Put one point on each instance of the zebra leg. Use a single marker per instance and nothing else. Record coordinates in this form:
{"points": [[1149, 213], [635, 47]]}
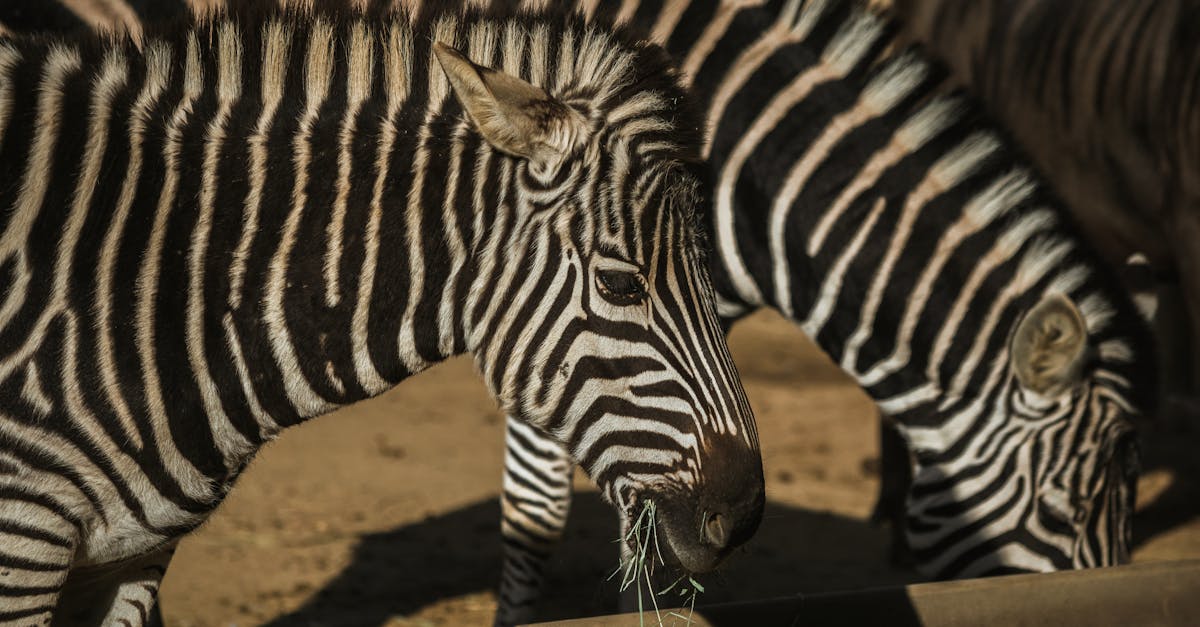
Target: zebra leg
{"points": [[534, 505], [895, 479], [37, 544], [1185, 235], [1164, 306], [126, 595]]}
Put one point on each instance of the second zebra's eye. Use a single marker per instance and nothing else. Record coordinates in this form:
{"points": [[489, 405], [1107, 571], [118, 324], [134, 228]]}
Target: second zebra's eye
{"points": [[621, 287]]}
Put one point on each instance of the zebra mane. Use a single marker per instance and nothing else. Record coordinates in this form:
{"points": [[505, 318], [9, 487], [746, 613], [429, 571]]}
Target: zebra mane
{"points": [[621, 83], [606, 66]]}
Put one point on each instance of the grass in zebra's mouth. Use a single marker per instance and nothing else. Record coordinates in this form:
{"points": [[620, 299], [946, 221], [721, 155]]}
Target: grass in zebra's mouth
{"points": [[637, 570]]}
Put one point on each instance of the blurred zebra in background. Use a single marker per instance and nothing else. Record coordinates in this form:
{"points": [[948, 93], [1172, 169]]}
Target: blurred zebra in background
{"points": [[183, 280], [31, 16], [983, 326], [1104, 95]]}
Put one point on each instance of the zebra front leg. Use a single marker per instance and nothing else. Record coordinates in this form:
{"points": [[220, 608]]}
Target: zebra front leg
{"points": [[125, 595], [534, 505], [895, 479], [1185, 233], [37, 544]]}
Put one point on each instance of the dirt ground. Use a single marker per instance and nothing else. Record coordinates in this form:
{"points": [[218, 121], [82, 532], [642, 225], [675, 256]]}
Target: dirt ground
{"points": [[385, 513]]}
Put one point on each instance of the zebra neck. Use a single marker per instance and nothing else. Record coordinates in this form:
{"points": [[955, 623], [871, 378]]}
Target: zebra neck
{"points": [[256, 248], [370, 187], [864, 200]]}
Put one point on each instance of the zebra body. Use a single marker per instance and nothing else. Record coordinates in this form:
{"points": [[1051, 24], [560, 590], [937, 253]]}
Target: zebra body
{"points": [[827, 137], [252, 220]]}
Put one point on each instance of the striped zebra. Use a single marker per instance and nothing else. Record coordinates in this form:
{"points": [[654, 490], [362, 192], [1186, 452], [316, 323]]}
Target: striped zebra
{"points": [[254, 219], [983, 326], [1103, 95], [863, 198]]}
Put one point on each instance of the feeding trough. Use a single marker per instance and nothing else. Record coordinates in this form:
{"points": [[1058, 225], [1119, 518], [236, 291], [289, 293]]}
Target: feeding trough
{"points": [[1143, 595]]}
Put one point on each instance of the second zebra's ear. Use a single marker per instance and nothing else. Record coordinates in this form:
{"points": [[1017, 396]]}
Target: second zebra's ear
{"points": [[512, 115], [1049, 348]]}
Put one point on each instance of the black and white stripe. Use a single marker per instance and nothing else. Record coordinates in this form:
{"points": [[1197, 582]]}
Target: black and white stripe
{"points": [[223, 229]]}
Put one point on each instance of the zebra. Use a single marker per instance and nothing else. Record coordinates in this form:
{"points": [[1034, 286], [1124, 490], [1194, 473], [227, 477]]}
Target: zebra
{"points": [[1102, 95], [985, 328], [182, 279], [990, 335]]}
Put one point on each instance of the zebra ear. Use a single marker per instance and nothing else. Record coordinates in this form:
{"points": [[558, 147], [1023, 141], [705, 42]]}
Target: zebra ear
{"points": [[1049, 348], [512, 115]]}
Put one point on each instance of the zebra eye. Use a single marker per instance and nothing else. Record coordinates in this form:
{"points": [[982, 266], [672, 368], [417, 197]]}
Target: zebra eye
{"points": [[621, 287]]}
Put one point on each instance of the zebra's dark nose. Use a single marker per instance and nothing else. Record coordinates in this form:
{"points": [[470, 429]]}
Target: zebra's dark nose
{"points": [[716, 530], [730, 522], [703, 527]]}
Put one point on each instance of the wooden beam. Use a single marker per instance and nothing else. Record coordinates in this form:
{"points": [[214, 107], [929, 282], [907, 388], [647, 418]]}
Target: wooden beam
{"points": [[1152, 594]]}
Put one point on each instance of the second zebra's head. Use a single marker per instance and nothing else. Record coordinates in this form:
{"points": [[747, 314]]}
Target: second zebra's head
{"points": [[1042, 471], [591, 314], [1086, 499]]}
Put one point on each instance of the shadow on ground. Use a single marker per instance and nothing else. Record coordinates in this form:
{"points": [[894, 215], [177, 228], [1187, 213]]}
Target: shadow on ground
{"points": [[1170, 444], [398, 572], [796, 551]]}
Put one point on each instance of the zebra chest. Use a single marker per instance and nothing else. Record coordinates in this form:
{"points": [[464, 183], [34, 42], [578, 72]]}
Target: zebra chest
{"points": [[141, 517], [130, 491], [118, 540]]}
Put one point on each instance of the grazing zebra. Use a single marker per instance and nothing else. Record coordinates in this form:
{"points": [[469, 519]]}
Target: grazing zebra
{"points": [[862, 198], [254, 219], [1103, 95], [981, 324]]}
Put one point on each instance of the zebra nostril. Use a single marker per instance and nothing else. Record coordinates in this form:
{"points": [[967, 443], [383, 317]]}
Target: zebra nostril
{"points": [[716, 531]]}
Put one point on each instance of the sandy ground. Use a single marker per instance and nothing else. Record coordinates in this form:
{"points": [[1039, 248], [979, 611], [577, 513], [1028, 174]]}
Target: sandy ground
{"points": [[385, 513]]}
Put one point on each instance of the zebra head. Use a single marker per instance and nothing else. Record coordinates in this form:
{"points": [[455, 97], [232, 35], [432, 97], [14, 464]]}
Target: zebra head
{"points": [[1048, 481], [1085, 501], [593, 316]]}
